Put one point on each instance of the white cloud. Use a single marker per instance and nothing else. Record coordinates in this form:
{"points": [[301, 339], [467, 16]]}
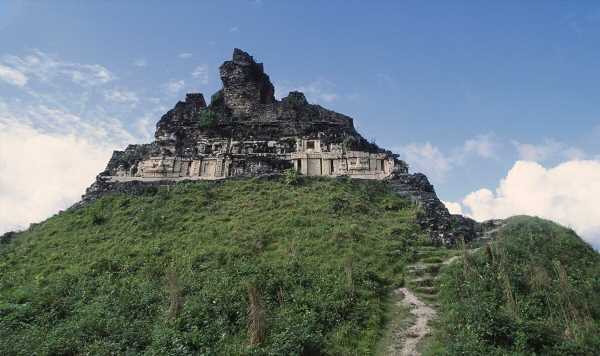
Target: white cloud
{"points": [[175, 86], [90, 74], [146, 124], [482, 145], [549, 149], [453, 208], [201, 73], [234, 29], [48, 156], [427, 159], [47, 68], [568, 193], [43, 173], [12, 76], [140, 62], [121, 96], [184, 55], [63, 122]]}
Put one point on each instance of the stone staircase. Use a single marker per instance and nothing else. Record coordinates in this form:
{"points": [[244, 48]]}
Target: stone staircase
{"points": [[421, 276]]}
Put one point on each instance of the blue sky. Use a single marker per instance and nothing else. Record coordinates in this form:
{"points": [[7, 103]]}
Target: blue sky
{"points": [[462, 90]]}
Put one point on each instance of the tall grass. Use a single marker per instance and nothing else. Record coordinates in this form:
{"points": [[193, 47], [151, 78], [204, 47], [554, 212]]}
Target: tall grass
{"points": [[533, 291], [256, 317], [167, 272]]}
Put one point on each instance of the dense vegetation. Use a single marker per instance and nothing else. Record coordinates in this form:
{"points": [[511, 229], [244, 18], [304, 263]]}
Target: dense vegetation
{"points": [[277, 267], [534, 291], [207, 119]]}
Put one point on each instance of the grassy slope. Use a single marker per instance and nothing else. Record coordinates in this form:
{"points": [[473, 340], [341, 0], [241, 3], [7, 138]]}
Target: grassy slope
{"points": [[534, 291], [170, 272]]}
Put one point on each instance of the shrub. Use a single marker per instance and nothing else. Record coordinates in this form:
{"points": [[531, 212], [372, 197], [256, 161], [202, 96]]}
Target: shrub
{"points": [[533, 291], [208, 119], [291, 177]]}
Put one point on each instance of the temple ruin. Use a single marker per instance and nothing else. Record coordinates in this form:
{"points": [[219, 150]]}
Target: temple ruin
{"points": [[245, 131]]}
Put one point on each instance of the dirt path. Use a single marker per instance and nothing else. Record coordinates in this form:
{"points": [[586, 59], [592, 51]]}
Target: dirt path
{"points": [[406, 341], [419, 297]]}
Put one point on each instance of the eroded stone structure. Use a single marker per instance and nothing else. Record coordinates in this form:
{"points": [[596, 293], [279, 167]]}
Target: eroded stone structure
{"points": [[245, 131]]}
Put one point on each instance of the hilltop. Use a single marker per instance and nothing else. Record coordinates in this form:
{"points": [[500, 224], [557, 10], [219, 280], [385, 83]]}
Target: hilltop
{"points": [[246, 132], [283, 266]]}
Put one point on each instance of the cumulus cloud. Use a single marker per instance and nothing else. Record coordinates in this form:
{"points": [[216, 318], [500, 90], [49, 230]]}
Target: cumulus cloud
{"points": [[43, 173], [426, 158], [57, 137], [46, 68], [48, 156], [201, 73], [482, 145], [453, 208], [549, 149], [567, 193], [12, 76], [429, 159]]}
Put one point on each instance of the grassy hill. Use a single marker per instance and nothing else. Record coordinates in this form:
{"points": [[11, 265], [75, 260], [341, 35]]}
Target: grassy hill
{"points": [[264, 267], [285, 267], [533, 291]]}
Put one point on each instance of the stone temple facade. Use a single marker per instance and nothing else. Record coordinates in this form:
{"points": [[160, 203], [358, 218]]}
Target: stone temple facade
{"points": [[245, 131]]}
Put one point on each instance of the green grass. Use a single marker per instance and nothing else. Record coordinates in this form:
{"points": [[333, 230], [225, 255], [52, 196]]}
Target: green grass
{"points": [[534, 291], [303, 267]]}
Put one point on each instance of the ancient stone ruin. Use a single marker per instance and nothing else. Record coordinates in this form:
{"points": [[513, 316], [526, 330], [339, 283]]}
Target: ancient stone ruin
{"points": [[245, 131]]}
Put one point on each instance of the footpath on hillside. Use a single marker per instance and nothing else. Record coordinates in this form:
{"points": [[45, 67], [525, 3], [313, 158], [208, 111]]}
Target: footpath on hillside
{"points": [[415, 305], [417, 301]]}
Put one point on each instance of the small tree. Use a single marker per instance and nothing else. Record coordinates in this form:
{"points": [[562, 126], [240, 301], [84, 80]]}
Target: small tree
{"points": [[291, 176]]}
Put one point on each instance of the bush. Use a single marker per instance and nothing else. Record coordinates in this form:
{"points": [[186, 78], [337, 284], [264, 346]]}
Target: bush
{"points": [[533, 291], [291, 177], [207, 119]]}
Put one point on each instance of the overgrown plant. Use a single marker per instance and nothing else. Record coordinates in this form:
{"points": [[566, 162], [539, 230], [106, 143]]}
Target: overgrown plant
{"points": [[256, 317], [207, 119], [291, 177], [533, 291]]}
